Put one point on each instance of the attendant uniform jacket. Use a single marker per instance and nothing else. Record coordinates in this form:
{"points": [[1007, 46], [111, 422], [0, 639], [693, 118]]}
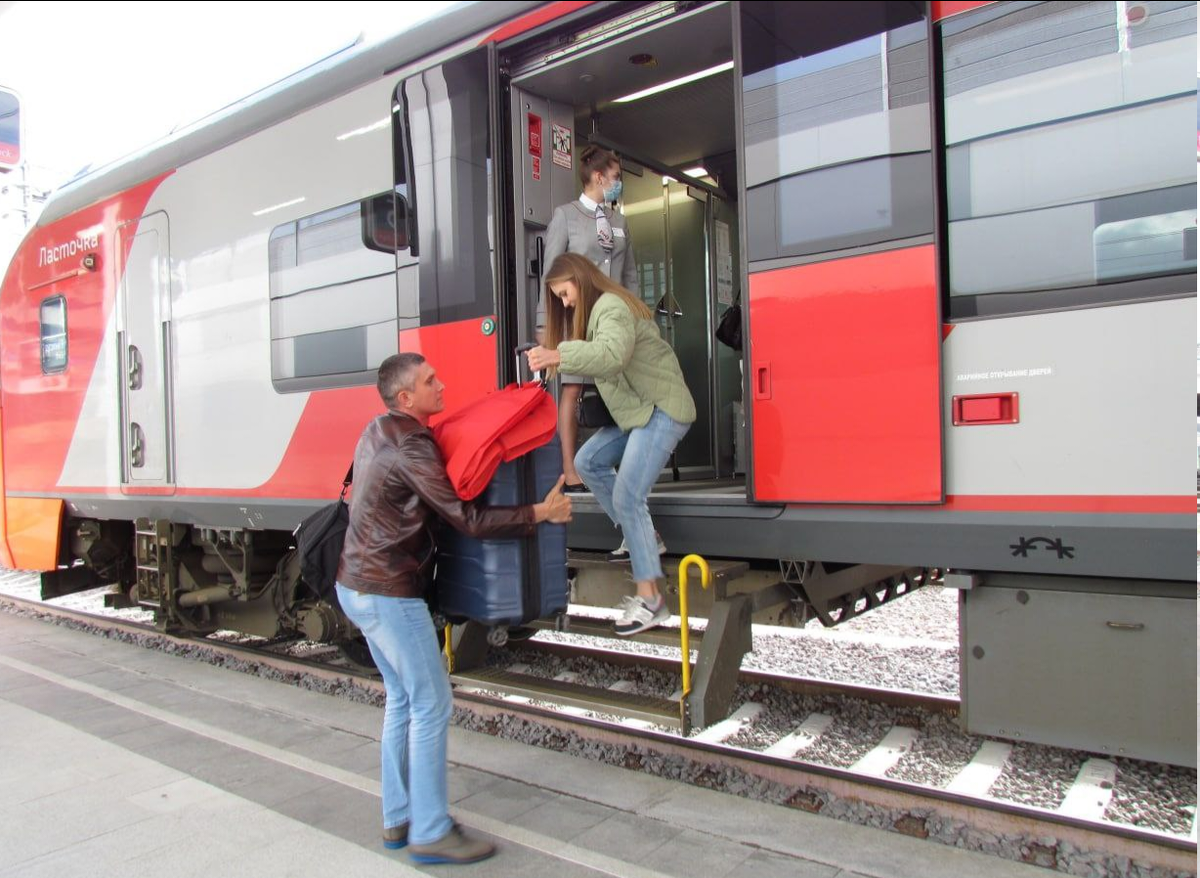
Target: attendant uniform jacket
{"points": [[635, 370], [573, 230]]}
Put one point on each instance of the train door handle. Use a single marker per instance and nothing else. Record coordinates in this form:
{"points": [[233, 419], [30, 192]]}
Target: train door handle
{"points": [[762, 381], [137, 450], [536, 268], [135, 368]]}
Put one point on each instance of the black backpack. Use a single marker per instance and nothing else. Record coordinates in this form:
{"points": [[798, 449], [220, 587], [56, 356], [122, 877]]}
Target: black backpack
{"points": [[319, 541]]}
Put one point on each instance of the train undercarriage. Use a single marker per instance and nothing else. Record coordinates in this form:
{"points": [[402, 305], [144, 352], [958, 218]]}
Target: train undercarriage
{"points": [[1081, 661]]}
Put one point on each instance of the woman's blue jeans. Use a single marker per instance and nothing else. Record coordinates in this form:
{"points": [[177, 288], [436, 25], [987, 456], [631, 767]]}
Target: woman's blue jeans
{"points": [[641, 454], [404, 645]]}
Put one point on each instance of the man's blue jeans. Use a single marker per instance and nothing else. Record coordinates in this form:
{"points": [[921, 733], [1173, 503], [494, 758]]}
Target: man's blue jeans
{"points": [[641, 453], [404, 645]]}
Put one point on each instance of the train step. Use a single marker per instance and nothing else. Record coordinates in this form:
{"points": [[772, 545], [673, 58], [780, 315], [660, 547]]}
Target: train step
{"points": [[659, 711], [592, 627], [718, 569], [721, 572]]}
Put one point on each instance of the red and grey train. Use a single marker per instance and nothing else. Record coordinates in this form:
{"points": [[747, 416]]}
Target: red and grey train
{"points": [[962, 236]]}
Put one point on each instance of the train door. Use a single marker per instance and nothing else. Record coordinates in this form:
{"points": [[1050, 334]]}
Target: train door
{"points": [[591, 88], [143, 341], [449, 270], [844, 313]]}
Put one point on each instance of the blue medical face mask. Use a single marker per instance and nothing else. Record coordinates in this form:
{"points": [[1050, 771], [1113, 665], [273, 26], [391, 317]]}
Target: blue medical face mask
{"points": [[613, 193]]}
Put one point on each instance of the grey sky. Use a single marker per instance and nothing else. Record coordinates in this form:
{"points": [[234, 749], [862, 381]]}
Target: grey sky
{"points": [[99, 80]]}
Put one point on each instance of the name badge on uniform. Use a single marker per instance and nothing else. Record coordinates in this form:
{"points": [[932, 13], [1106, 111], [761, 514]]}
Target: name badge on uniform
{"points": [[618, 233]]}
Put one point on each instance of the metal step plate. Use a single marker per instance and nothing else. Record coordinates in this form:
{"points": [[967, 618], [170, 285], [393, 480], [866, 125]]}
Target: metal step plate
{"points": [[589, 627], [661, 711], [719, 570]]}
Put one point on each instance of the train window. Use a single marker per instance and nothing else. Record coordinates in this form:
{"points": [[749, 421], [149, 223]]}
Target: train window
{"points": [[836, 126], [1070, 178], [334, 314], [52, 321]]}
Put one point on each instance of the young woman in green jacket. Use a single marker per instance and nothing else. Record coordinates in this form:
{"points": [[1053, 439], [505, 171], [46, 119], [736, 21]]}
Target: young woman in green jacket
{"points": [[611, 336]]}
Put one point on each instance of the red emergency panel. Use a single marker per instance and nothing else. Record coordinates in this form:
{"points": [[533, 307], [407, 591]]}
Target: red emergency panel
{"points": [[844, 373]]}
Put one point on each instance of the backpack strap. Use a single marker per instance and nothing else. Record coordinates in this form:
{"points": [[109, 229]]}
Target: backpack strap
{"points": [[348, 481]]}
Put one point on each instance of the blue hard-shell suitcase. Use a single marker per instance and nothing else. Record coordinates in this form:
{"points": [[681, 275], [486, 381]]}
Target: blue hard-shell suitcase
{"points": [[507, 582]]}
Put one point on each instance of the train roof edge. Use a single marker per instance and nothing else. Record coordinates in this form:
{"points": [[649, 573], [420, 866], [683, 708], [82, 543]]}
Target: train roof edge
{"points": [[311, 86]]}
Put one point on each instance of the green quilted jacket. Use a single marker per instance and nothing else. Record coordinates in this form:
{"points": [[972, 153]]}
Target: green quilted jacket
{"points": [[634, 369]]}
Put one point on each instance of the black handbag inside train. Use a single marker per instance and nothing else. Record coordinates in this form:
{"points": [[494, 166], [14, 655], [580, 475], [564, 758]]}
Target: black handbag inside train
{"points": [[729, 329], [592, 412]]}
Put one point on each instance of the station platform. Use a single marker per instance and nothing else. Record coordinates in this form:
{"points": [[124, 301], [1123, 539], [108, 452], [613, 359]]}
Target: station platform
{"points": [[118, 760]]}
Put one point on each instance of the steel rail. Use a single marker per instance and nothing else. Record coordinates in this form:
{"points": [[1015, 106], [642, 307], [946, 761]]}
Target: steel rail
{"points": [[798, 685]]}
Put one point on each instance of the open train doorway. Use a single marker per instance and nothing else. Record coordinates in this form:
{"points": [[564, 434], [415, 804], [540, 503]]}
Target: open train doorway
{"points": [[656, 87]]}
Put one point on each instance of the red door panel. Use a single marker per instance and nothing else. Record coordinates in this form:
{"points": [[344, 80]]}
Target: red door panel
{"points": [[323, 443], [845, 377]]}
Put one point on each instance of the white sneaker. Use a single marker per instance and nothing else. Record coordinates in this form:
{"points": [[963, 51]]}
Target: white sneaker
{"points": [[636, 616], [620, 555]]}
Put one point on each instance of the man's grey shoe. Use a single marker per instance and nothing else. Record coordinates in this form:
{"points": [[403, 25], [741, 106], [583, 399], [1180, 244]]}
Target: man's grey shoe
{"points": [[453, 847], [395, 837]]}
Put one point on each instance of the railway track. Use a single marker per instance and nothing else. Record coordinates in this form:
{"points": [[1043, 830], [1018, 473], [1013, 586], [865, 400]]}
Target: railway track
{"points": [[727, 755]]}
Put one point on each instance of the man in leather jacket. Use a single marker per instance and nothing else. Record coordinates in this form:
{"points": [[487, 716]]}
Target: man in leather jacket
{"points": [[400, 483]]}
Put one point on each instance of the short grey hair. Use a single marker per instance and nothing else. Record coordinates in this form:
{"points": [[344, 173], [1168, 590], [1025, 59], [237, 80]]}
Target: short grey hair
{"points": [[398, 372]]}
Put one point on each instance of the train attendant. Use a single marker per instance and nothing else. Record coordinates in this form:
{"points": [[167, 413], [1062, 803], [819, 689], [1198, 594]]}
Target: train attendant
{"points": [[588, 226], [400, 483], [612, 337]]}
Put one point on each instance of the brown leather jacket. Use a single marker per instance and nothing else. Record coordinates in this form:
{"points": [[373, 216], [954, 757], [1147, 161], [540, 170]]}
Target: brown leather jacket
{"points": [[399, 483]]}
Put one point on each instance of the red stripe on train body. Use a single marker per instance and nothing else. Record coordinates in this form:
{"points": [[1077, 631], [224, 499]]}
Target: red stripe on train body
{"points": [[41, 411]]}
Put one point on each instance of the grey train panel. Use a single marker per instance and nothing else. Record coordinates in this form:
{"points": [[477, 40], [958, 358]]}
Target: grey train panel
{"points": [[1023, 650], [535, 177], [1144, 546], [1138, 546]]}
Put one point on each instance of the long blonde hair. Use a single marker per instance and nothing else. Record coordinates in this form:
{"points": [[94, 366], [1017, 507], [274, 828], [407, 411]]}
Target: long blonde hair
{"points": [[592, 284]]}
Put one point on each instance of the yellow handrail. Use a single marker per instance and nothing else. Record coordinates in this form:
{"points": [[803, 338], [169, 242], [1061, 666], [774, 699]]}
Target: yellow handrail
{"points": [[449, 648], [686, 658]]}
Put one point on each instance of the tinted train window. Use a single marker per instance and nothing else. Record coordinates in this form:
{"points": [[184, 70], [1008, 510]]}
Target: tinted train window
{"points": [[52, 320], [335, 308], [836, 119], [1069, 162]]}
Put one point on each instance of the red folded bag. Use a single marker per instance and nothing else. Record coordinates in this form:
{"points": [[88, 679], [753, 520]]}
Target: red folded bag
{"points": [[501, 427]]}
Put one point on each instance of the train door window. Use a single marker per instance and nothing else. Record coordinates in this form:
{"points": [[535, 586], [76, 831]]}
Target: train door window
{"points": [[334, 313], [52, 321], [444, 170], [1070, 178], [836, 126]]}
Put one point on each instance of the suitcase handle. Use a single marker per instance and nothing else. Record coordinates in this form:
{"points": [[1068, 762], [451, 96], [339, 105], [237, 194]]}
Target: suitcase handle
{"points": [[520, 349]]}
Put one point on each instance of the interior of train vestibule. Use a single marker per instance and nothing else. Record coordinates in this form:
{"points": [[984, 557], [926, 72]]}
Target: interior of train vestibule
{"points": [[676, 142]]}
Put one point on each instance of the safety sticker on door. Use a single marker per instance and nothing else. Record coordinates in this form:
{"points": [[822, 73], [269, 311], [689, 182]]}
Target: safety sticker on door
{"points": [[535, 135], [562, 145], [535, 146]]}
